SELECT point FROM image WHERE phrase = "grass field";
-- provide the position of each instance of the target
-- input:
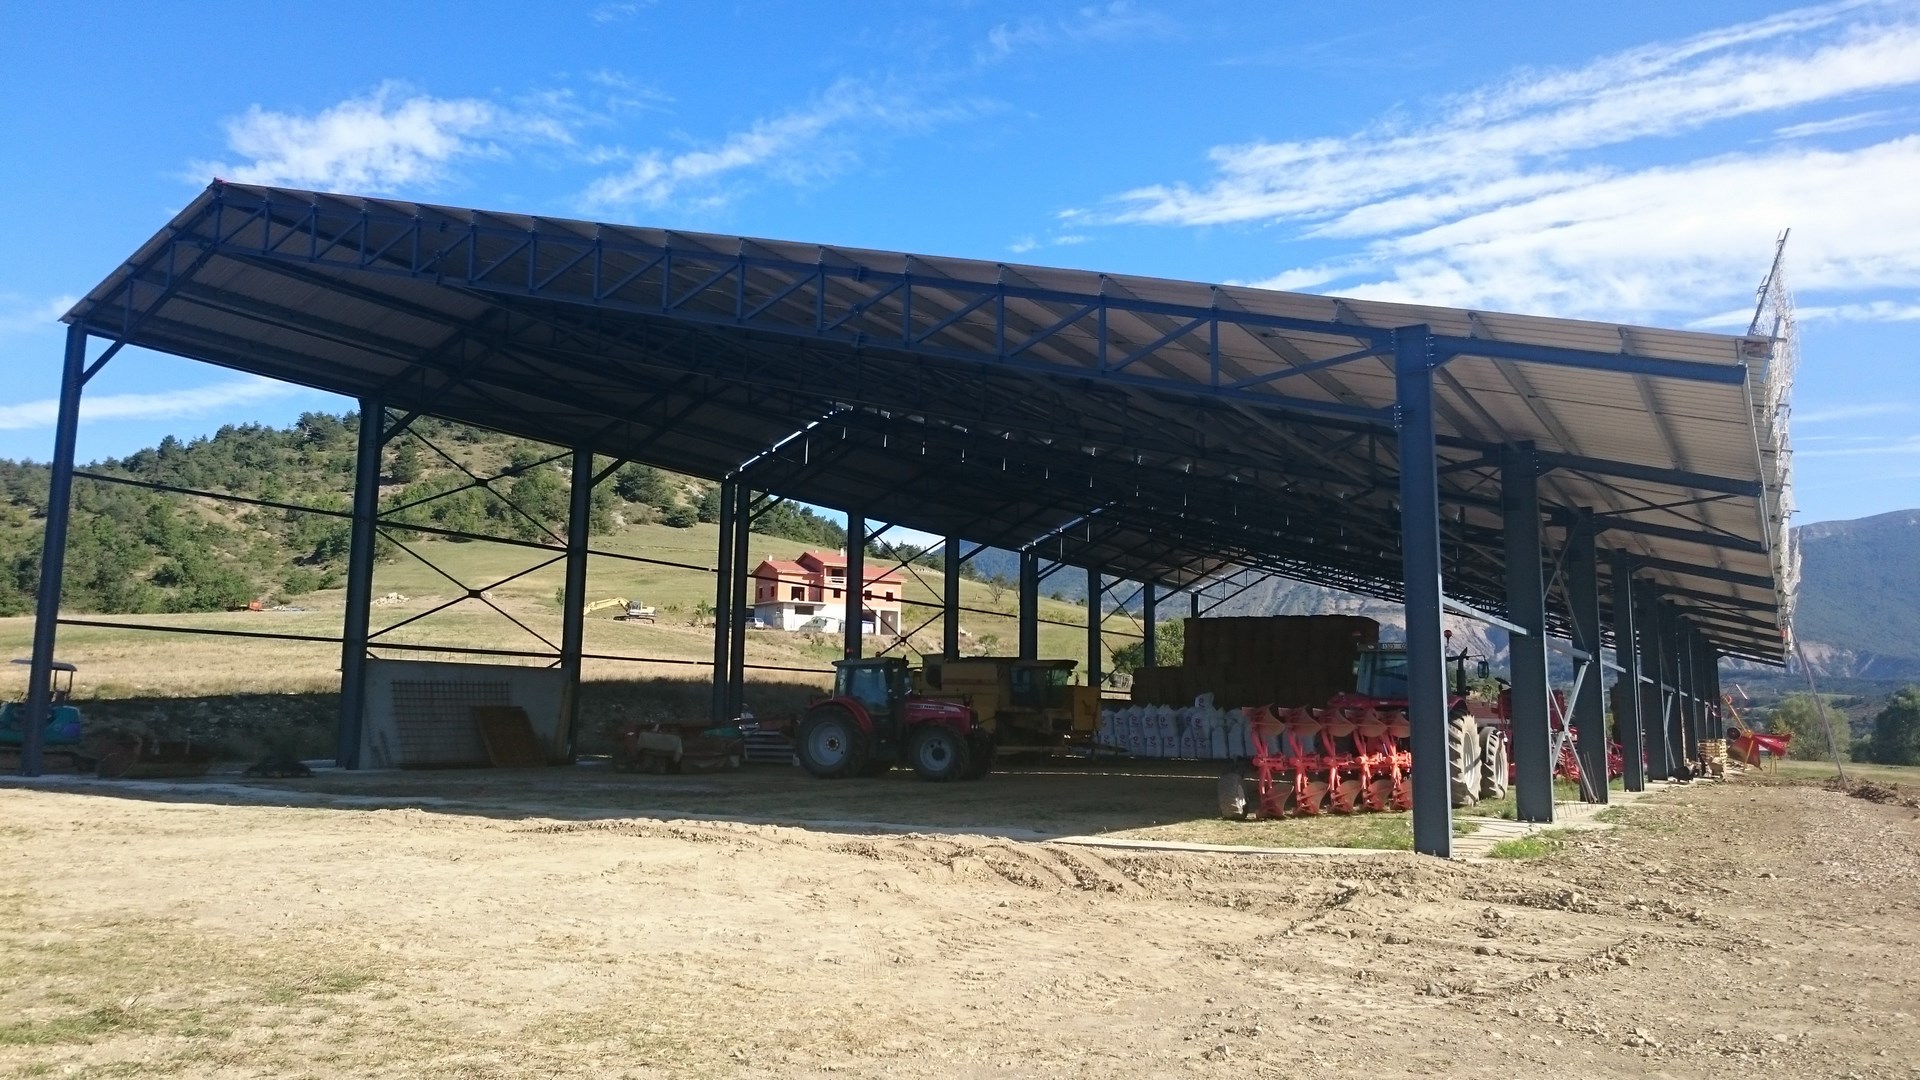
(1908, 775)
(119, 663)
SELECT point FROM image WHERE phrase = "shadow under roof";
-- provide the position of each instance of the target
(1162, 430)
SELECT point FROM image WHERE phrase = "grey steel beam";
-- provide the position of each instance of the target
(1583, 607)
(1684, 662)
(1413, 365)
(1527, 608)
(950, 598)
(723, 602)
(573, 601)
(1626, 648)
(53, 554)
(359, 600)
(1678, 478)
(856, 583)
(737, 610)
(1096, 646)
(1653, 697)
(1029, 605)
(1149, 626)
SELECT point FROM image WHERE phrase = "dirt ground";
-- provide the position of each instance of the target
(1751, 928)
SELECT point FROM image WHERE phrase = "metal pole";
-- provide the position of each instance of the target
(950, 625)
(1626, 649)
(1149, 626)
(738, 611)
(1029, 617)
(856, 582)
(1653, 698)
(359, 601)
(723, 601)
(1683, 653)
(1420, 561)
(1193, 604)
(1527, 607)
(53, 553)
(1589, 706)
(573, 602)
(1096, 590)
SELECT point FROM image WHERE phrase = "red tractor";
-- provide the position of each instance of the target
(874, 721)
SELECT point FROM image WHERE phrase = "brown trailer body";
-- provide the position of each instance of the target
(1261, 660)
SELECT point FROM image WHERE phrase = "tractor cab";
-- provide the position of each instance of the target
(1380, 671)
(63, 719)
(879, 683)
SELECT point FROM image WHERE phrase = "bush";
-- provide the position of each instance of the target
(1896, 730)
(680, 517)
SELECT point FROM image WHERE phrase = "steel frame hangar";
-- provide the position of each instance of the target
(1623, 488)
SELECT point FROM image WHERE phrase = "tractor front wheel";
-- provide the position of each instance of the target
(831, 745)
(938, 753)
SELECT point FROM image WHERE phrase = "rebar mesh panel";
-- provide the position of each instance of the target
(433, 721)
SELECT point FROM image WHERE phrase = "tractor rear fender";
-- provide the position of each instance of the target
(854, 708)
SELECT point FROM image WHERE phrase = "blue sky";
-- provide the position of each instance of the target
(1630, 161)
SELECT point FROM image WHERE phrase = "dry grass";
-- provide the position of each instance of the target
(117, 663)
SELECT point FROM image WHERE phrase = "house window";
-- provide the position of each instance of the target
(803, 609)
(799, 592)
(866, 594)
(836, 594)
(889, 594)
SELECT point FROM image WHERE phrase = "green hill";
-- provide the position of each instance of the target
(1860, 595)
(138, 550)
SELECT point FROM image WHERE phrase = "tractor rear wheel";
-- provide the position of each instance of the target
(831, 745)
(938, 753)
(1493, 764)
(1463, 759)
(982, 753)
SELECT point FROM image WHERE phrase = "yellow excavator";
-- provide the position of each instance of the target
(630, 611)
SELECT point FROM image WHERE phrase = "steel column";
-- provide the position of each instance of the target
(53, 554)
(1413, 364)
(856, 583)
(359, 601)
(1527, 608)
(1626, 649)
(1149, 626)
(1653, 697)
(1029, 602)
(1589, 706)
(737, 613)
(1096, 596)
(723, 601)
(573, 601)
(1684, 653)
(1193, 603)
(950, 596)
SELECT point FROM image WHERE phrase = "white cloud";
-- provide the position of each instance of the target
(167, 404)
(1900, 444)
(616, 12)
(1838, 124)
(1118, 20)
(795, 147)
(1851, 412)
(390, 140)
(18, 315)
(1506, 197)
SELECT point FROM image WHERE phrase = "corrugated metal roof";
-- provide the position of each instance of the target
(1164, 430)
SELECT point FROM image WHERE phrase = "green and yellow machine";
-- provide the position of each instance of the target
(1030, 706)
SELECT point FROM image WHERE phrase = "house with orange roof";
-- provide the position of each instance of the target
(809, 592)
